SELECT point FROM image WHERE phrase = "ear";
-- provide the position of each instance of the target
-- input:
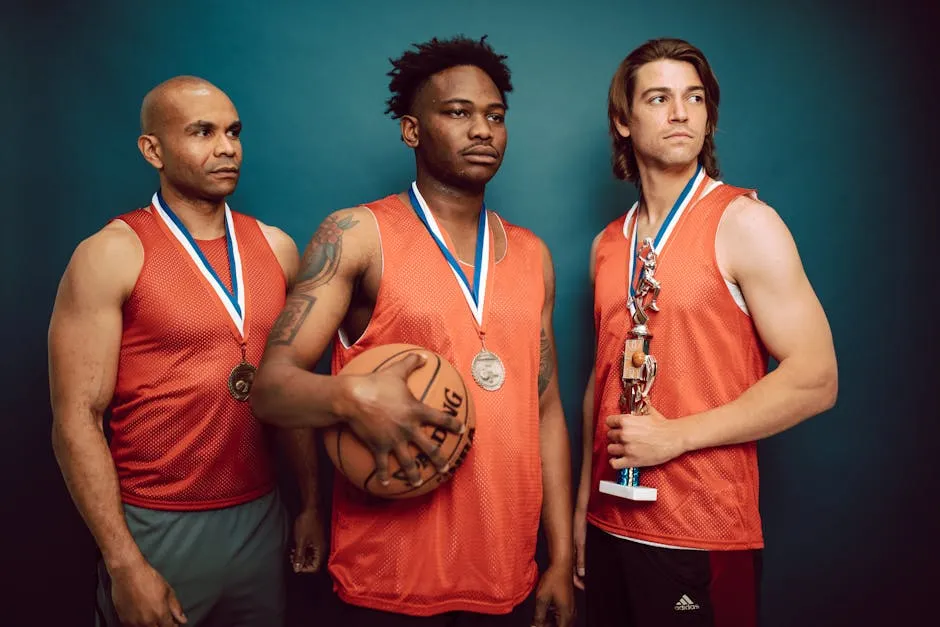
(150, 148)
(409, 130)
(622, 129)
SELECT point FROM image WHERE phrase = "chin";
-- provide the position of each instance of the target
(222, 190)
(475, 176)
(679, 159)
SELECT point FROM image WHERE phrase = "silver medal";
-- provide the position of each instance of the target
(488, 370)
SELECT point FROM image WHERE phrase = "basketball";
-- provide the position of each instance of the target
(437, 384)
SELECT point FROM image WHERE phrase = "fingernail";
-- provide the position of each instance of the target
(385, 482)
(445, 468)
(580, 572)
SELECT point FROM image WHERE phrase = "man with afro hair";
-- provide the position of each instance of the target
(433, 266)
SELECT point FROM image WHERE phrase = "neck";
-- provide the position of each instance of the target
(451, 205)
(659, 189)
(203, 218)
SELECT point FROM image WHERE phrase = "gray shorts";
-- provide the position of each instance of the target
(226, 566)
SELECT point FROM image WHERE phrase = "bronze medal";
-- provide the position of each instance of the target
(240, 381)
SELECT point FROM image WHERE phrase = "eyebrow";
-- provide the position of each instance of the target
(669, 90)
(464, 101)
(199, 124)
(205, 124)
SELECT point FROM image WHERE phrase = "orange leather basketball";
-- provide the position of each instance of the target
(437, 384)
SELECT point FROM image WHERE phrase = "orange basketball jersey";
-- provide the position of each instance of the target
(180, 441)
(708, 353)
(469, 545)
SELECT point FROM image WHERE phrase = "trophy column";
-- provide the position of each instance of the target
(639, 372)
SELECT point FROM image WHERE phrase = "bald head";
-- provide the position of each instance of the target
(171, 98)
(190, 132)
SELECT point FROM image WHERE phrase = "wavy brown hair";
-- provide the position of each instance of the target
(620, 98)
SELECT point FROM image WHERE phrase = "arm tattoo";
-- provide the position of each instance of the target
(321, 259)
(546, 363)
(291, 319)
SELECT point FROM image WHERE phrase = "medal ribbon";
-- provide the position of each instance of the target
(475, 292)
(234, 301)
(668, 225)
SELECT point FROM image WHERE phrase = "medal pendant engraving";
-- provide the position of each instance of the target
(488, 370)
(240, 380)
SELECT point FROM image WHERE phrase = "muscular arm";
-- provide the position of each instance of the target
(84, 343)
(755, 248)
(553, 437)
(287, 392)
(378, 407)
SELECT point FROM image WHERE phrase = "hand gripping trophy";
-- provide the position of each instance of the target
(639, 369)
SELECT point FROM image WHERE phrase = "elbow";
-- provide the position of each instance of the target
(828, 388)
(262, 397)
(267, 400)
(56, 438)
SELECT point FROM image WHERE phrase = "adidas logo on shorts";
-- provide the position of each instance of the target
(685, 603)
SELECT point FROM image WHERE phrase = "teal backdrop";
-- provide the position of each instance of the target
(827, 108)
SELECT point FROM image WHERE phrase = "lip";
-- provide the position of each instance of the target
(481, 158)
(680, 135)
(225, 172)
(482, 151)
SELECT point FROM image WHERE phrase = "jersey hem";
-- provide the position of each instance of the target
(676, 541)
(130, 499)
(451, 605)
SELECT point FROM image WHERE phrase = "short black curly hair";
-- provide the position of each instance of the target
(414, 67)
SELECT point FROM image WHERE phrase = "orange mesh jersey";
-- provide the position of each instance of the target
(469, 545)
(709, 353)
(180, 441)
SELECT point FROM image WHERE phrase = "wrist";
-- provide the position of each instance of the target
(124, 561)
(345, 397)
(310, 505)
(563, 560)
(685, 434)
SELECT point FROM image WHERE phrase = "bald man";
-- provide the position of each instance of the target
(161, 318)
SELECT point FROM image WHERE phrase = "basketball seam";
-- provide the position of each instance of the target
(423, 396)
(437, 369)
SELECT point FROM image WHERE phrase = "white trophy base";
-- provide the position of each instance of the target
(633, 493)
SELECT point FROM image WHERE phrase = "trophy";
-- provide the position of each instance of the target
(639, 370)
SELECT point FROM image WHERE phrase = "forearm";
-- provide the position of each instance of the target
(587, 446)
(86, 464)
(290, 397)
(300, 447)
(556, 485)
(794, 391)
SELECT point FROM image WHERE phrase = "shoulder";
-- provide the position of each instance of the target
(752, 239)
(747, 217)
(109, 261)
(348, 238)
(516, 233)
(115, 243)
(352, 224)
(283, 247)
(613, 230)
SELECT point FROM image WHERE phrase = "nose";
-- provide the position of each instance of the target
(226, 146)
(480, 127)
(678, 112)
